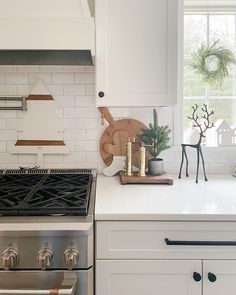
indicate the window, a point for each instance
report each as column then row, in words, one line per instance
column 207, row 28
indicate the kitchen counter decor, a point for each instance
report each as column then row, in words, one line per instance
column 155, row 139
column 203, row 123
column 114, row 138
column 147, row 179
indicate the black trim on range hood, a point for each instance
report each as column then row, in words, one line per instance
column 46, row 57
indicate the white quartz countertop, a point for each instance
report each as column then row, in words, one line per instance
column 214, row 200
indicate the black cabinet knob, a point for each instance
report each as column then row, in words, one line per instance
column 197, row 277
column 211, row 277
column 101, row 93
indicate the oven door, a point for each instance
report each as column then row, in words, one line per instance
column 38, row 282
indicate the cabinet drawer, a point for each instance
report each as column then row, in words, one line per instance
column 148, row 240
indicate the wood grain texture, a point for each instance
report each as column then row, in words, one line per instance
column 114, row 138
column 40, row 143
column 39, row 97
column 149, row 179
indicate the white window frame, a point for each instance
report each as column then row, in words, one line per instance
column 178, row 110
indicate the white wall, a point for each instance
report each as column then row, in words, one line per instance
column 73, row 90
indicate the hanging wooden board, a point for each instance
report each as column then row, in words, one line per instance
column 114, row 138
column 149, row 179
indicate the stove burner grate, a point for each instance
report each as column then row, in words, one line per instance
column 45, row 194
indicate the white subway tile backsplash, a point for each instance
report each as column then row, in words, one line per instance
column 92, row 134
column 46, row 78
column 50, row 69
column 71, row 145
column 7, row 69
column 90, row 69
column 6, row 158
column 86, row 165
column 63, row 78
column 141, row 113
column 8, row 114
column 3, row 146
column 8, row 134
column 73, row 69
column 74, row 112
column 84, row 78
column 49, row 159
column 8, row 90
column 87, row 146
column 80, row 78
column 90, row 89
column 24, row 89
column 64, row 101
column 69, row 123
column 3, row 124
column 2, row 79
column 92, row 113
column 120, row 112
column 85, row 101
column 55, row 89
column 10, row 145
column 61, row 165
column 75, row 135
column 93, row 157
column 17, row 78
column 86, row 124
column 27, row 69
column 11, row 124
column 74, row 89
column 25, row 160
column 75, row 157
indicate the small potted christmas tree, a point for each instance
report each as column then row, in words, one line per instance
column 156, row 139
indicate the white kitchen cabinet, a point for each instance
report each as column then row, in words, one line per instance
column 144, row 277
column 137, row 52
column 219, row 277
column 150, row 257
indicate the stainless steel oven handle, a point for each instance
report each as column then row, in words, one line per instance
column 68, row 287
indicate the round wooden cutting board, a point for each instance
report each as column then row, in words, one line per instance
column 114, row 138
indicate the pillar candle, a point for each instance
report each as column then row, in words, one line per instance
column 129, row 157
column 142, row 161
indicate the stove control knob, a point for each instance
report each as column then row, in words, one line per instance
column 71, row 257
column 9, row 259
column 45, row 258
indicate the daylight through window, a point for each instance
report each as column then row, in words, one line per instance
column 205, row 29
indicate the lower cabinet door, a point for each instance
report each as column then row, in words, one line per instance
column 219, row 277
column 143, row 277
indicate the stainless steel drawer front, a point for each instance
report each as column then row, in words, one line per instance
column 32, row 283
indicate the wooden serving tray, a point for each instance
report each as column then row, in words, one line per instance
column 148, row 179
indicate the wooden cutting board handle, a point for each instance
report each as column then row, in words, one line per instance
column 107, row 115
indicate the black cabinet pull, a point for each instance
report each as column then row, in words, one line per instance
column 211, row 277
column 199, row 243
column 101, row 94
column 197, row 277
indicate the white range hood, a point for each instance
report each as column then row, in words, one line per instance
column 46, row 31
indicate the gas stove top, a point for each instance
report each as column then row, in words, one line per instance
column 37, row 192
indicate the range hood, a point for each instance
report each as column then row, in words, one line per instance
column 46, row 32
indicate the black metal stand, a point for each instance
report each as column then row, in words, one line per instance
column 199, row 154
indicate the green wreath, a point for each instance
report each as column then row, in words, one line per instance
column 212, row 62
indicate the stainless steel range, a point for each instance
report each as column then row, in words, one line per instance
column 46, row 231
